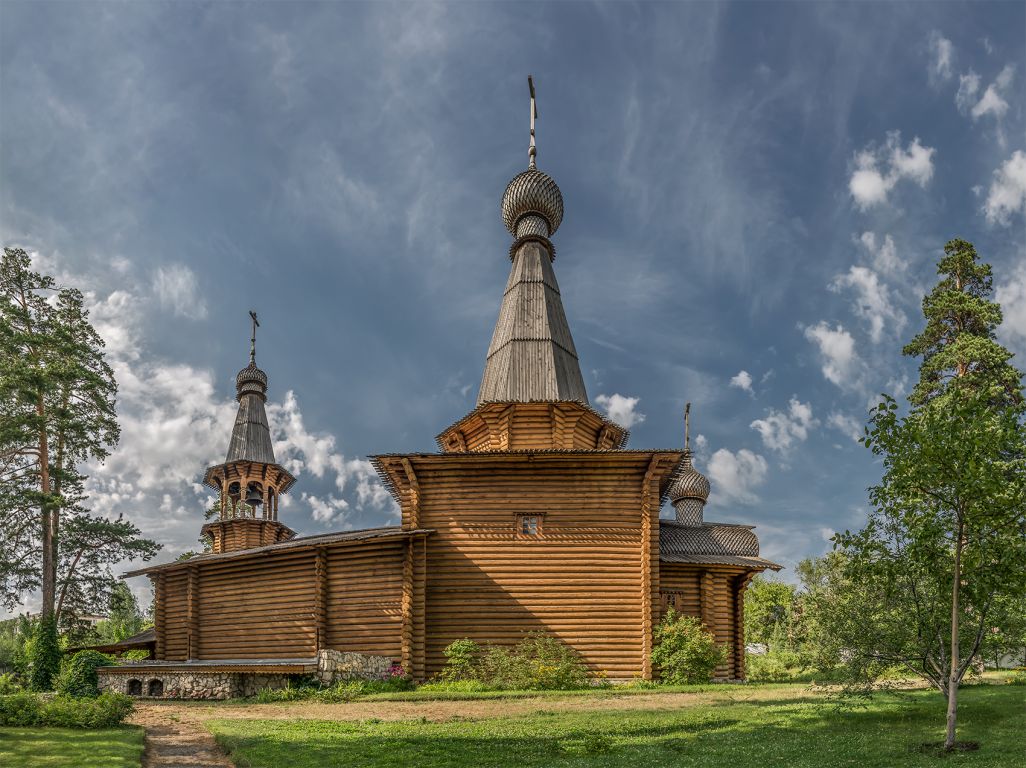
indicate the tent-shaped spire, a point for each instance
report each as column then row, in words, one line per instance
column 532, row 355
column 251, row 437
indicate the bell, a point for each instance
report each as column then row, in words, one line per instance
column 253, row 497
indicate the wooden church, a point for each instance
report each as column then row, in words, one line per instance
column 532, row 516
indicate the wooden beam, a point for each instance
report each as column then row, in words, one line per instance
column 406, row 632
column 192, row 614
column 321, row 599
column 648, row 589
column 411, row 477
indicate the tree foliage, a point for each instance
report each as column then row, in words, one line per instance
column 945, row 543
column 57, row 414
column 46, row 655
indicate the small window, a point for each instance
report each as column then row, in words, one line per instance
column 135, row 687
column 529, row 526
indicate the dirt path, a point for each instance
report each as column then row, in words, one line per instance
column 194, row 714
column 176, row 736
column 176, row 742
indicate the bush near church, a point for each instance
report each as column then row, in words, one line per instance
column 79, row 678
column 26, row 710
column 685, row 651
column 538, row 662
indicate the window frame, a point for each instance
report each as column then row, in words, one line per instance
column 521, row 522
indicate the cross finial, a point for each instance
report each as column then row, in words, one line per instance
column 252, row 339
column 532, row 153
column 687, row 428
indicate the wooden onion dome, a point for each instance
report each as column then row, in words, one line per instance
column 250, row 481
column 690, row 488
column 532, row 394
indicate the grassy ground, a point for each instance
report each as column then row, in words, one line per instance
column 71, row 748
column 803, row 731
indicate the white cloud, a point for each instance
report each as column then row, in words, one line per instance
column 993, row 102
column 942, row 53
column 780, row 430
column 735, row 475
column 837, row 348
column 1012, row 298
column 623, row 410
column 968, row 87
column 872, row 302
column 327, row 510
column 848, row 424
column 743, row 380
column 177, row 289
column 885, row 254
column 879, row 169
column 1007, row 194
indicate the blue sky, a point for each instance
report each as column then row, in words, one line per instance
column 756, row 195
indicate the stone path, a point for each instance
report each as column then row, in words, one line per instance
column 173, row 741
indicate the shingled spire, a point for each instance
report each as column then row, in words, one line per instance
column 532, row 356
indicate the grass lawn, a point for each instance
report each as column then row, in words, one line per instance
column 803, row 732
column 71, row 747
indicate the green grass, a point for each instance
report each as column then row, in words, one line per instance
column 71, row 747
column 801, row 733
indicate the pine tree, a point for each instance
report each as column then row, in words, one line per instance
column 946, row 540
column 958, row 345
column 57, row 403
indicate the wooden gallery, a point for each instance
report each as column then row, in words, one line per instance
column 533, row 516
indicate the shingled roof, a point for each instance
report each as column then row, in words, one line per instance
column 251, row 436
column 710, row 543
column 532, row 355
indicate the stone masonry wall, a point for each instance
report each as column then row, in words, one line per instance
column 188, row 684
column 333, row 666
column 198, row 683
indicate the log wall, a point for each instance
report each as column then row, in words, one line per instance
column 582, row 579
column 290, row 604
column 713, row 593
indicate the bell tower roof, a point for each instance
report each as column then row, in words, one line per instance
column 250, row 481
column 532, row 357
column 251, row 435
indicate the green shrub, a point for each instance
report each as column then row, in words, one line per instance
column 20, row 709
column 1018, row 677
column 31, row 709
column 79, row 678
column 685, row 651
column 9, row 684
column 46, row 656
column 539, row 662
column 777, row 665
column 461, row 657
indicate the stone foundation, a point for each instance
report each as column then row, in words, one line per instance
column 333, row 666
column 156, row 681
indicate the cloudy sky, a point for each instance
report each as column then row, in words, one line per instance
column 756, row 196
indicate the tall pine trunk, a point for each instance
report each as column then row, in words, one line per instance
column 949, row 739
column 48, row 521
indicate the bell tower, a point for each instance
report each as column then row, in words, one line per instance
column 250, row 481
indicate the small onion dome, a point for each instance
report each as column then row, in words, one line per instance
column 689, row 484
column 532, row 193
column 251, row 380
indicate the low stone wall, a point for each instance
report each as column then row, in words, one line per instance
column 188, row 684
column 333, row 666
column 197, row 682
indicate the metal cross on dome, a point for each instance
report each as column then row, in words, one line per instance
column 532, row 153
column 252, row 339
